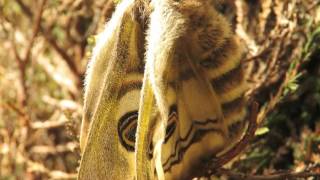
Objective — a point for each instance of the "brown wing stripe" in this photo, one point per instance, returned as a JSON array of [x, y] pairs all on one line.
[[218, 57], [228, 81], [195, 135], [129, 87], [234, 111], [219, 61], [222, 60], [233, 106]]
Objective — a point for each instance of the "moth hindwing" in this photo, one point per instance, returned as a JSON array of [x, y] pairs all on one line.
[[193, 64]]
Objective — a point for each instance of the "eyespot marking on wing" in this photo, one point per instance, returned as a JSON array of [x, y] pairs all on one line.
[[127, 127]]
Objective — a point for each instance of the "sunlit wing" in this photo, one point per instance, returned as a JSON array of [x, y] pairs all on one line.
[[191, 97], [208, 114], [196, 132], [112, 93]]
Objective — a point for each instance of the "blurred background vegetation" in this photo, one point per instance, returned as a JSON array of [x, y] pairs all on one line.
[[45, 46]]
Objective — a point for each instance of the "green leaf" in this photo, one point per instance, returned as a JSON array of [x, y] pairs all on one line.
[[293, 86], [261, 131]]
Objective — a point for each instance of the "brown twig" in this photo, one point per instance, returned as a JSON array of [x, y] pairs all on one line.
[[283, 33], [56, 149], [24, 60], [25, 8], [240, 146], [49, 124], [13, 108], [108, 9], [61, 52], [35, 167], [278, 176], [50, 39], [314, 5], [35, 30]]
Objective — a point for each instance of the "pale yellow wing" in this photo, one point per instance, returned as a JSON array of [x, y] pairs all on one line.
[[199, 134], [161, 43], [112, 93], [210, 104], [194, 73]]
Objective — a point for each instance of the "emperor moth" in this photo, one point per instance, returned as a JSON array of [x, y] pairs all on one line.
[[164, 114]]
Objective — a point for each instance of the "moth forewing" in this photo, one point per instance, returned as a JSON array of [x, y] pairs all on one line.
[[143, 135], [97, 69], [103, 156]]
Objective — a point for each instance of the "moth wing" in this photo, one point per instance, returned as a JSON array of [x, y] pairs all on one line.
[[112, 90], [210, 105], [196, 94], [200, 129]]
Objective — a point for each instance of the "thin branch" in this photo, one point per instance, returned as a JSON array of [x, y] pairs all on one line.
[[36, 167], [314, 5], [61, 52], [49, 124], [278, 176], [23, 61], [35, 30], [24, 8], [12, 107], [50, 39], [62, 148], [108, 9], [23, 98], [250, 133]]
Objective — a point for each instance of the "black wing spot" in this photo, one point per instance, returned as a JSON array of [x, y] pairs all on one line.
[[127, 128]]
